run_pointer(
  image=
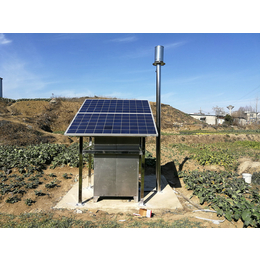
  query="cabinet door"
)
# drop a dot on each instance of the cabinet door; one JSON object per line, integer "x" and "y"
{"x": 127, "y": 167}
{"x": 105, "y": 175}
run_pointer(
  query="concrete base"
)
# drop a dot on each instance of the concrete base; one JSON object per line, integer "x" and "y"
{"x": 164, "y": 200}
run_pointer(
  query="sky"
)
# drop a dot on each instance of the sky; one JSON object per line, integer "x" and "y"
{"x": 202, "y": 70}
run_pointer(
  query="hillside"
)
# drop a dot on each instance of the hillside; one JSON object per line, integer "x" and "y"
{"x": 35, "y": 121}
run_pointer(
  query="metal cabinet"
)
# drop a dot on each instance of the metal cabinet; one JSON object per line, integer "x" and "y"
{"x": 116, "y": 167}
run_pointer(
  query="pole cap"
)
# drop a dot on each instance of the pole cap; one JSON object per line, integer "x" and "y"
{"x": 158, "y": 55}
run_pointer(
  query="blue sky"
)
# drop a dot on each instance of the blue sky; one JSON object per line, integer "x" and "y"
{"x": 202, "y": 70}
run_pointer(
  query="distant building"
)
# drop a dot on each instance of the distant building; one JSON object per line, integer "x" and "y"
{"x": 1, "y": 87}
{"x": 252, "y": 117}
{"x": 209, "y": 119}
{"x": 219, "y": 120}
{"x": 239, "y": 120}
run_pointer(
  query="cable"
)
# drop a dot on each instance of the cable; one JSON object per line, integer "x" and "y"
{"x": 249, "y": 93}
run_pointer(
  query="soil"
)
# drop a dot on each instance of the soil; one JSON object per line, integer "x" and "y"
{"x": 23, "y": 123}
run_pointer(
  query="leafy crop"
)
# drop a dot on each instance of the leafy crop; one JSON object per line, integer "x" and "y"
{"x": 52, "y": 184}
{"x": 230, "y": 196}
{"x": 35, "y": 157}
{"x": 209, "y": 155}
{"x": 29, "y": 202}
{"x": 13, "y": 199}
{"x": 29, "y": 162}
{"x": 223, "y": 154}
{"x": 256, "y": 178}
{"x": 39, "y": 193}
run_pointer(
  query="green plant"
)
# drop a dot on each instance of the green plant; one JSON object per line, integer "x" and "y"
{"x": 66, "y": 176}
{"x": 12, "y": 199}
{"x": 149, "y": 159}
{"x": 256, "y": 178}
{"x": 51, "y": 185}
{"x": 29, "y": 202}
{"x": 39, "y": 193}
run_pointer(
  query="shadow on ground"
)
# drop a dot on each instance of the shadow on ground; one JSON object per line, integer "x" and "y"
{"x": 169, "y": 171}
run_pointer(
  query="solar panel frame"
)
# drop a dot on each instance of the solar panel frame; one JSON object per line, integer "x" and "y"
{"x": 113, "y": 117}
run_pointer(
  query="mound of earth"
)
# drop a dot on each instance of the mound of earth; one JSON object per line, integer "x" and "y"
{"x": 246, "y": 165}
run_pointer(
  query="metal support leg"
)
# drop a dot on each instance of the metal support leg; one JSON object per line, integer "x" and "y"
{"x": 80, "y": 169}
{"x": 89, "y": 170}
{"x": 142, "y": 160}
{"x": 89, "y": 164}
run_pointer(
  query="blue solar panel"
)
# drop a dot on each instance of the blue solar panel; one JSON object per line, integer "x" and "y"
{"x": 98, "y": 117}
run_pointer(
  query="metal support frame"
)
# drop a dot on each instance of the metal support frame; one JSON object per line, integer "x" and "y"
{"x": 142, "y": 170}
{"x": 80, "y": 169}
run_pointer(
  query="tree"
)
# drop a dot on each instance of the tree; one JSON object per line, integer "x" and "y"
{"x": 228, "y": 119}
{"x": 219, "y": 111}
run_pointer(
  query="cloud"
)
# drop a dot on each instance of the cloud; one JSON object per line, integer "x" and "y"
{"x": 124, "y": 39}
{"x": 19, "y": 80}
{"x": 145, "y": 52}
{"x": 3, "y": 39}
{"x": 174, "y": 45}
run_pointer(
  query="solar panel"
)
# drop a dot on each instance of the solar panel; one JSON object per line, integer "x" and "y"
{"x": 105, "y": 117}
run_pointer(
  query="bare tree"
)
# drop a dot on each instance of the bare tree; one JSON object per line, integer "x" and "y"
{"x": 256, "y": 103}
{"x": 219, "y": 111}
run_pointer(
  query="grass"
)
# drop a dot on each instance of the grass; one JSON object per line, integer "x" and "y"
{"x": 59, "y": 132}
{"x": 47, "y": 220}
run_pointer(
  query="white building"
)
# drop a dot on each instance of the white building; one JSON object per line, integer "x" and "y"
{"x": 252, "y": 117}
{"x": 209, "y": 119}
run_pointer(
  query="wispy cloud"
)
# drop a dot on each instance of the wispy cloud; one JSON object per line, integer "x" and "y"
{"x": 174, "y": 45}
{"x": 3, "y": 39}
{"x": 20, "y": 81}
{"x": 118, "y": 94}
{"x": 124, "y": 39}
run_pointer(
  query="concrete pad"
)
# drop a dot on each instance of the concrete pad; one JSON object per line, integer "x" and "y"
{"x": 164, "y": 200}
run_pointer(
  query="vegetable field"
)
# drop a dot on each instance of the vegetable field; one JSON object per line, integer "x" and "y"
{"x": 230, "y": 196}
{"x": 22, "y": 169}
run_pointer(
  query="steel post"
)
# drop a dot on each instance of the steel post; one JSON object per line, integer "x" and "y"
{"x": 89, "y": 163}
{"x": 158, "y": 125}
{"x": 142, "y": 167}
{"x": 159, "y": 52}
{"x": 80, "y": 169}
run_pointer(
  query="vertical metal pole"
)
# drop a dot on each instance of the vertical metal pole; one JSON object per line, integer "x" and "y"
{"x": 158, "y": 62}
{"x": 1, "y": 87}
{"x": 89, "y": 163}
{"x": 142, "y": 160}
{"x": 158, "y": 125}
{"x": 80, "y": 169}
